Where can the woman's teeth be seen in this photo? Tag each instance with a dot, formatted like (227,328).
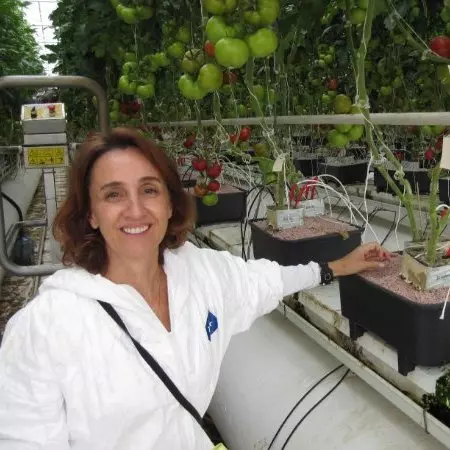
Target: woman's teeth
(135,230)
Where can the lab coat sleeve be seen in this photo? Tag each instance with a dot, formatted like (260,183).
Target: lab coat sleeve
(32,414)
(254,288)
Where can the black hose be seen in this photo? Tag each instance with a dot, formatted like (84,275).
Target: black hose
(17,208)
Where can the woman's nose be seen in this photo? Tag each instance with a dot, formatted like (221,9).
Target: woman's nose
(135,207)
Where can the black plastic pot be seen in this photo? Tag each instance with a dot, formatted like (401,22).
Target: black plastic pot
(351,174)
(231,207)
(418,179)
(308,167)
(413,329)
(302,251)
(441,413)
(444,190)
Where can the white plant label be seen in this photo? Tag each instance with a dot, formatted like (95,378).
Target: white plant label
(279,163)
(313,208)
(445,158)
(290,218)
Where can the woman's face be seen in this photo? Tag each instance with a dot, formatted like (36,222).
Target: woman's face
(130,204)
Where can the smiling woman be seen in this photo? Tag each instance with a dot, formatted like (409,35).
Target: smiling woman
(70,376)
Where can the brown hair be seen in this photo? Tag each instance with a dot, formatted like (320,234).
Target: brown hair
(84,246)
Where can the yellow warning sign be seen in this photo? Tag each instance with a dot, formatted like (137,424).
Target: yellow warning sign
(46,156)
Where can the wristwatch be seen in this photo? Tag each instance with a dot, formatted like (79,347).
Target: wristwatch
(326,274)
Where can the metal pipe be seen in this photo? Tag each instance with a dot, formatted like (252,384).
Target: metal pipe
(37,280)
(38,81)
(398,119)
(21,271)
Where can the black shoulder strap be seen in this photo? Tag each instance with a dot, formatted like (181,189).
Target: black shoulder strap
(184,402)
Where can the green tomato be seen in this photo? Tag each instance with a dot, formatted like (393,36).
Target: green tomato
(126,86)
(183,35)
(217,29)
(114,105)
(259,92)
(129,68)
(336,139)
(210,77)
(114,116)
(252,17)
(190,88)
(144,12)
(326,99)
(192,61)
(386,91)
(128,15)
(210,199)
(328,59)
(342,104)
(356,133)
(445,15)
(242,110)
(269,11)
(397,83)
(176,50)
(427,130)
(161,59)
(232,53)
(219,7)
(357,16)
(262,43)
(343,128)
(437,129)
(363,4)
(145,91)
(332,94)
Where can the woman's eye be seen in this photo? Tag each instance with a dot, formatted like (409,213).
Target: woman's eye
(151,190)
(112,195)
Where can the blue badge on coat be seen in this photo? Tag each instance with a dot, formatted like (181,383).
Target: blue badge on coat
(211,324)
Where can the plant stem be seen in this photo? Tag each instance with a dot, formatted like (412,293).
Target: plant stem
(433,216)
(406,196)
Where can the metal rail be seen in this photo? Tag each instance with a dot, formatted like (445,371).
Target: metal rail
(33,81)
(398,119)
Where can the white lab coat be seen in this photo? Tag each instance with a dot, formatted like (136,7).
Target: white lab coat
(70,377)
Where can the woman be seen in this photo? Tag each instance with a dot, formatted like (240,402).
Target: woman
(70,377)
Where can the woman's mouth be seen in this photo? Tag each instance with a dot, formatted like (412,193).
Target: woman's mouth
(135,230)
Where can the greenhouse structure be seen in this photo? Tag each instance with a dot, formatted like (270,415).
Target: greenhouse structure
(257,192)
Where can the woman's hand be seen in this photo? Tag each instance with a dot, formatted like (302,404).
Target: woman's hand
(365,257)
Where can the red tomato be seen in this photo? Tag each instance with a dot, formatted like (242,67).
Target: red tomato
(332,84)
(199,164)
(230,77)
(214,171)
(441,46)
(213,186)
(245,134)
(210,49)
(234,138)
(399,155)
(429,154)
(189,142)
(439,143)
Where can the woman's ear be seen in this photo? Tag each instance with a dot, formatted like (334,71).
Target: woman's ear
(93,221)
